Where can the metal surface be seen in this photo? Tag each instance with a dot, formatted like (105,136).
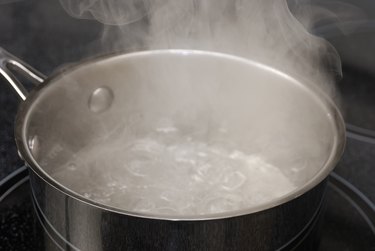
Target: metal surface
(49,128)
(9,63)
(79,226)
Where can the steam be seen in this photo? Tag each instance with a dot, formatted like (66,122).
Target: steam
(112,12)
(343,16)
(209,109)
(261,30)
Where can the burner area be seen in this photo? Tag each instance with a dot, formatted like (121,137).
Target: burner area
(19,229)
(348,223)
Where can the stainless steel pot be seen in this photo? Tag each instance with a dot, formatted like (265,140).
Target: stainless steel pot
(87,103)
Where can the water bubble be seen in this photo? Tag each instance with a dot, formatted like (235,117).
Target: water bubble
(154,174)
(100,99)
(204,169)
(223,202)
(234,180)
(170,195)
(72,166)
(112,184)
(143,205)
(165,125)
(138,168)
(87,195)
(148,146)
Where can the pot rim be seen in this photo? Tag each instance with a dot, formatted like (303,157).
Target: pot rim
(25,109)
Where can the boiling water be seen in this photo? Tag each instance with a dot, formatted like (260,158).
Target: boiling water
(171,172)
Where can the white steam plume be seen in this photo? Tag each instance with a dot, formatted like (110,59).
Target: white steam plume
(112,12)
(262,30)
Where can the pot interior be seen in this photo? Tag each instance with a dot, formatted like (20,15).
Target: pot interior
(181,133)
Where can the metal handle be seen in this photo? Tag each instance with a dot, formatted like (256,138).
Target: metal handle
(9,63)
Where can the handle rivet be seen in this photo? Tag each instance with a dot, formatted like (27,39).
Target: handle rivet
(100,99)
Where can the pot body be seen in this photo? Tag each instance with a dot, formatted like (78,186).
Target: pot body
(90,104)
(75,225)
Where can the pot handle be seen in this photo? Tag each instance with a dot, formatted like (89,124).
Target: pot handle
(9,64)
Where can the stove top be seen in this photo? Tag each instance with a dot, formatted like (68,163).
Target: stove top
(349,221)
